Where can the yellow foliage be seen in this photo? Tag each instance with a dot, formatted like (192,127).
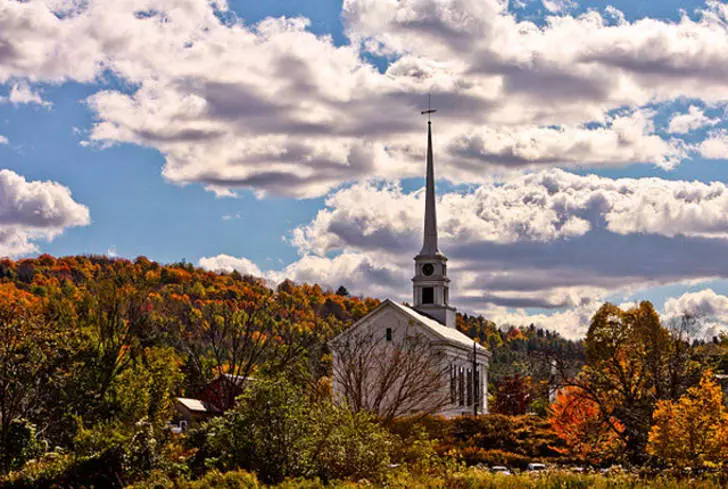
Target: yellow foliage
(692,430)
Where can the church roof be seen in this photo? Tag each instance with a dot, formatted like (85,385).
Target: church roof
(450,335)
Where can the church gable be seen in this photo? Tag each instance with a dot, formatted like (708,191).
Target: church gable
(391,322)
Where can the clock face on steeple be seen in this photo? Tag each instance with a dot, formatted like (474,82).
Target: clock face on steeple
(428,269)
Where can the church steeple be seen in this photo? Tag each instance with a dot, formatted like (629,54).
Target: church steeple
(429,244)
(431,287)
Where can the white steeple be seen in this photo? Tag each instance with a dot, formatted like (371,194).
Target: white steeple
(429,244)
(430,284)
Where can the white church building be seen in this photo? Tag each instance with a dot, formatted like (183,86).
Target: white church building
(376,375)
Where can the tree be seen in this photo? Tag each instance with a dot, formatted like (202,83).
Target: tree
(692,431)
(513,395)
(631,363)
(578,421)
(27,344)
(393,378)
(277,430)
(342,291)
(223,338)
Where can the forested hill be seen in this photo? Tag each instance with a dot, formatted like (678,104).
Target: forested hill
(131,308)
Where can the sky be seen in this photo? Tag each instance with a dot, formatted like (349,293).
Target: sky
(580,147)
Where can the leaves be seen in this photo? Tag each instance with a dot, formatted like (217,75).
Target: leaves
(692,431)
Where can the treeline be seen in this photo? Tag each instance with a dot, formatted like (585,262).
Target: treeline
(93,351)
(90,346)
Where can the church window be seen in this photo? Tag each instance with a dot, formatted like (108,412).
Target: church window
(470,387)
(453,385)
(389,334)
(476,387)
(461,386)
(428,295)
(447,296)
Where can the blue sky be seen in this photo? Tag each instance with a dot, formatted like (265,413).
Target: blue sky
(234,138)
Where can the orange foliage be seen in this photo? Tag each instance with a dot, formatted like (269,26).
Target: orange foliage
(580,424)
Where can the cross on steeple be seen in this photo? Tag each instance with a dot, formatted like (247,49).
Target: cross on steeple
(429,245)
(429,110)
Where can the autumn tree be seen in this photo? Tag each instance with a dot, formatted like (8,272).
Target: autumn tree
(693,430)
(589,437)
(222,338)
(513,395)
(631,363)
(392,378)
(26,343)
(111,319)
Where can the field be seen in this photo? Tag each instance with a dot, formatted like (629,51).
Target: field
(463,479)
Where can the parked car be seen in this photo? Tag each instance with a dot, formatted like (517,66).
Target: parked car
(499,469)
(536,467)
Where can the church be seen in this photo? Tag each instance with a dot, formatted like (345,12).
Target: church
(400,360)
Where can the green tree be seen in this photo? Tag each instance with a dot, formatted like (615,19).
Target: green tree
(278,430)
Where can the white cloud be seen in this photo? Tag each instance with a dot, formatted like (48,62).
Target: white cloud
(716,146)
(298,115)
(22,93)
(558,6)
(3,139)
(624,138)
(694,119)
(550,240)
(227,264)
(709,308)
(35,210)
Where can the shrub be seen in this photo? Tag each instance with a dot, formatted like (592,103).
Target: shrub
(236,479)
(348,445)
(277,432)
(21,445)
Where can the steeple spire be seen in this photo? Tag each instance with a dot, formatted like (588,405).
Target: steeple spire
(429,244)
(431,286)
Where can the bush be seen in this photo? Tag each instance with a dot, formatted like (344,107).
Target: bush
(20,445)
(277,432)
(349,445)
(515,440)
(53,470)
(237,479)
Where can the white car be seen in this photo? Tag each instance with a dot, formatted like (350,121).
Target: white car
(499,469)
(535,467)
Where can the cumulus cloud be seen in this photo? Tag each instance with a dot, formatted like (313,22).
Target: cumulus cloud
(547,240)
(558,6)
(22,93)
(228,264)
(694,119)
(625,137)
(716,146)
(3,139)
(34,210)
(709,309)
(276,109)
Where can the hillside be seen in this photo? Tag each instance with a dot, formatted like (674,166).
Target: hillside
(133,307)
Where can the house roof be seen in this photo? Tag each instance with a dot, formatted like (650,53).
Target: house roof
(194,405)
(449,335)
(237,379)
